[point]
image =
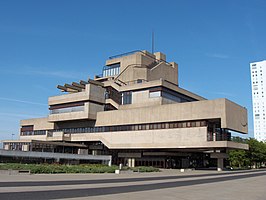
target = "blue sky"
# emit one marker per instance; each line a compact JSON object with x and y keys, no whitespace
{"x":45,"y":43}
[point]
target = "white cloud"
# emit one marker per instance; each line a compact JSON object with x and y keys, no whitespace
{"x":30,"y":71}
{"x":22,"y":101}
{"x":19,"y":115}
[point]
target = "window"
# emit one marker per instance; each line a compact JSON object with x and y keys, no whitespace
{"x":172,"y":97}
{"x":127,"y":98}
{"x":155,"y":94}
{"x":203,"y":123}
{"x":171,"y":125}
{"x":143,"y":127}
{"x":193,"y":124}
{"x":111,"y":70}
{"x":197,"y":124}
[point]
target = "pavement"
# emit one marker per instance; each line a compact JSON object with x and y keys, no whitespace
{"x":166,"y":185}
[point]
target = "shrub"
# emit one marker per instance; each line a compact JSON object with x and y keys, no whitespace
{"x":56,"y":168}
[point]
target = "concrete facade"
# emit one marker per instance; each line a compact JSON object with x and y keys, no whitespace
{"x":137,"y":113}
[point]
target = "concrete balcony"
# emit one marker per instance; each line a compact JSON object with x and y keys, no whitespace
{"x":55,"y":136}
{"x":58,"y":136}
{"x":89,"y":111}
{"x":232,"y":116}
{"x":33,"y":137}
{"x":91,"y":93}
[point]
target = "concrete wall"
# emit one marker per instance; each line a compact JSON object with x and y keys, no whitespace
{"x":38,"y":123}
{"x":141,"y":99}
{"x":156,"y":83}
{"x":236,"y":115}
{"x":56,"y":136}
{"x":199,"y":110}
{"x":96,"y":93}
{"x":136,"y":67}
{"x":165,"y":72}
{"x":68,"y":98}
{"x":182,"y":138}
{"x":125,"y":61}
{"x":92,"y":92}
{"x":33,"y":137}
{"x":90,"y":110}
{"x":172,"y":138}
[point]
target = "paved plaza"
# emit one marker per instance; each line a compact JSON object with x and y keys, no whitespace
{"x":166,"y":185}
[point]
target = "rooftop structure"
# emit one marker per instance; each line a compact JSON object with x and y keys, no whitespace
{"x":136,"y":112}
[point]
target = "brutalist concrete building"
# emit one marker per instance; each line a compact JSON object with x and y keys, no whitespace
{"x":135,"y":113}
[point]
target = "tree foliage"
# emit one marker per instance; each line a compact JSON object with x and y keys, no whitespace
{"x":254,"y":157}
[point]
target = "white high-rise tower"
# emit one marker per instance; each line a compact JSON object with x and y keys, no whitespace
{"x":258,"y":82}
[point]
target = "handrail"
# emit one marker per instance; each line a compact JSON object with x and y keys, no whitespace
{"x":132,"y":52}
{"x":124,"y":54}
{"x":116,"y":78}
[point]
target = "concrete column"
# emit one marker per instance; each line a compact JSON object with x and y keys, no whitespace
{"x":133,"y":162}
{"x":214,"y":133}
{"x":129,"y":162}
{"x":220,"y":164}
{"x":110,"y":163}
{"x":57,"y":160}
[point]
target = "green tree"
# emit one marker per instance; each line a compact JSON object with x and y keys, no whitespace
{"x":238,"y":158}
{"x":256,"y":153}
{"x":254,"y":157}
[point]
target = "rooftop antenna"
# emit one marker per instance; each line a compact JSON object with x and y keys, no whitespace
{"x":152,"y":42}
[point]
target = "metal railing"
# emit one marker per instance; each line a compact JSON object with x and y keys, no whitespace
{"x":136,"y":51}
{"x":27,"y":133}
{"x":67,"y":110}
{"x":124,"y":54}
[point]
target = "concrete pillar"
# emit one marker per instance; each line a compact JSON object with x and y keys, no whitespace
{"x":129,"y":163}
{"x":214,"y":133}
{"x":110,"y":163}
{"x":132,"y":162}
{"x":220,"y":164}
{"x":57,"y":160}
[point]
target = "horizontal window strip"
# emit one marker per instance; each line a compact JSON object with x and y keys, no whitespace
{"x":67,"y":105}
{"x":27,"y":128}
{"x":134,"y":127}
{"x":27,"y":133}
{"x":73,"y":104}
